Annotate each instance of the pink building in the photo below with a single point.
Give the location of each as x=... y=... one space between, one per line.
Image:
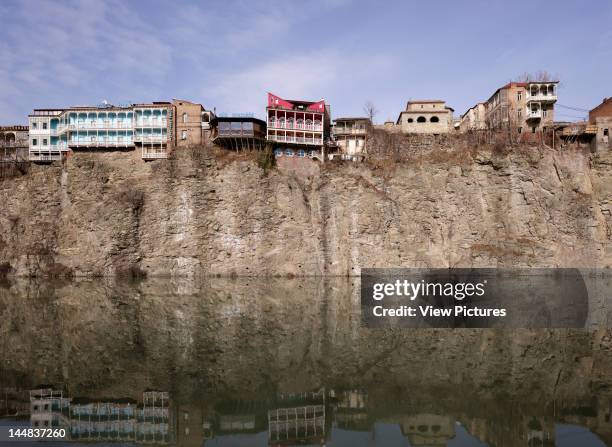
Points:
x=297 y=128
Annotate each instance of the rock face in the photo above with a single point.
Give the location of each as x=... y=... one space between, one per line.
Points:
x=205 y=213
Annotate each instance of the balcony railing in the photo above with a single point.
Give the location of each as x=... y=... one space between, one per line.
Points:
x=87 y=125
x=48 y=156
x=541 y=98
x=151 y=123
x=297 y=140
x=101 y=143
x=295 y=126
x=150 y=139
x=154 y=155
x=348 y=131
x=534 y=114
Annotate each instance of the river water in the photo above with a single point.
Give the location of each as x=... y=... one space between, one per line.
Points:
x=223 y=362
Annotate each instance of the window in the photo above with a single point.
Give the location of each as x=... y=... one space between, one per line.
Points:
x=34 y=143
x=520 y=130
x=44 y=141
x=605 y=132
x=184 y=117
x=278 y=152
x=301 y=153
x=421 y=119
x=520 y=113
x=289 y=152
x=533 y=129
x=34 y=125
x=410 y=120
x=184 y=135
x=44 y=125
x=434 y=119
x=519 y=96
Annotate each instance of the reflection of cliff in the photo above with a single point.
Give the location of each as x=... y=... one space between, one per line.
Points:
x=225 y=339
x=98 y=214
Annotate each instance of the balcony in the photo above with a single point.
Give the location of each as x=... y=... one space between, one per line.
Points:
x=296 y=140
x=150 y=138
x=534 y=114
x=295 y=126
x=150 y=155
x=151 y=123
x=101 y=143
x=45 y=156
x=348 y=131
x=542 y=98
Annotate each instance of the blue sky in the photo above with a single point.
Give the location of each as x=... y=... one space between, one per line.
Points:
x=228 y=54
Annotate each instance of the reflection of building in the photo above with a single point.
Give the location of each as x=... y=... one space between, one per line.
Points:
x=351 y=135
x=428 y=429
x=106 y=419
x=49 y=408
x=298 y=419
x=428 y=116
x=191 y=426
x=239 y=132
x=297 y=128
x=351 y=411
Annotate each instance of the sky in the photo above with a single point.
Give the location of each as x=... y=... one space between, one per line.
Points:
x=228 y=54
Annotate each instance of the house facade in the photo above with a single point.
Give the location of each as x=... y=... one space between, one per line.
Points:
x=151 y=128
x=601 y=117
x=296 y=127
x=474 y=118
x=522 y=107
x=426 y=116
x=238 y=132
x=14 y=142
x=350 y=135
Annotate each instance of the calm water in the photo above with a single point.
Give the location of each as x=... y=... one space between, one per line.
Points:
x=256 y=362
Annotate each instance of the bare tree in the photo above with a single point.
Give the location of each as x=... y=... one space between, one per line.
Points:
x=370 y=110
x=538 y=76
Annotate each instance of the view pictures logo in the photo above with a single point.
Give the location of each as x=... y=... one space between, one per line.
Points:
x=475 y=298
x=412 y=290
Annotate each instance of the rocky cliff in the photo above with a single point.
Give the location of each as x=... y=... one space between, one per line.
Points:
x=205 y=212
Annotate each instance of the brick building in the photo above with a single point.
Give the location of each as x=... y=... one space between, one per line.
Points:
x=601 y=116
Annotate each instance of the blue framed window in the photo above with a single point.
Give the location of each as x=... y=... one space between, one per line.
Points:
x=278 y=152
x=289 y=152
x=301 y=153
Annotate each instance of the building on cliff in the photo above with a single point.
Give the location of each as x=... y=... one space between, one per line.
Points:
x=297 y=127
x=522 y=107
x=13 y=143
x=350 y=135
x=192 y=123
x=426 y=116
x=238 y=132
x=151 y=128
x=474 y=118
x=601 y=116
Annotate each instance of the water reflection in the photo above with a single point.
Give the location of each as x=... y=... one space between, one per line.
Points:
x=285 y=362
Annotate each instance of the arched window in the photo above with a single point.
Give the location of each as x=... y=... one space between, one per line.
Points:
x=317 y=124
x=289 y=152
x=434 y=119
x=278 y=152
x=281 y=122
x=421 y=119
x=410 y=120
x=272 y=121
x=300 y=123
x=290 y=123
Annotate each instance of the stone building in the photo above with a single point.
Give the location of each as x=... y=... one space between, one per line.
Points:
x=350 y=135
x=474 y=118
x=522 y=107
x=426 y=116
x=601 y=116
